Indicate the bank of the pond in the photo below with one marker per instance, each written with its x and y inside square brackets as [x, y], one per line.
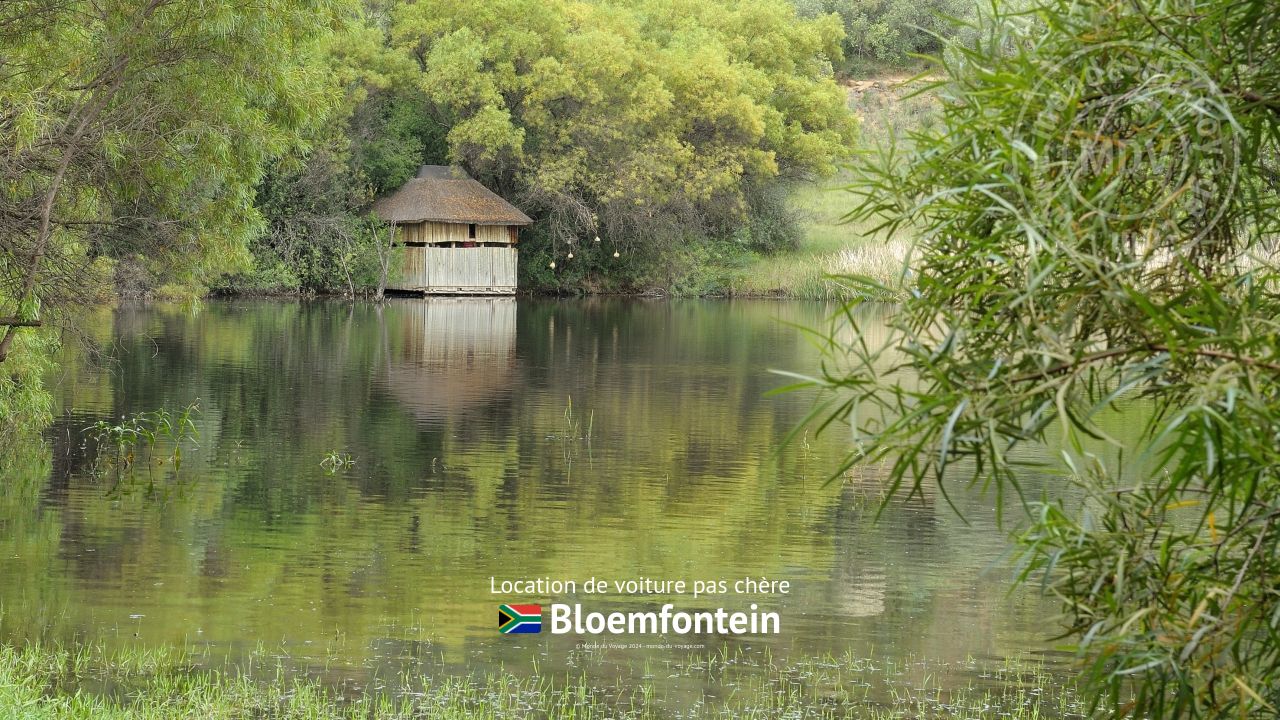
[89, 683]
[828, 248]
[823, 247]
[888, 109]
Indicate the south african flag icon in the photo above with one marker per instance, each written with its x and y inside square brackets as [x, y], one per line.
[519, 619]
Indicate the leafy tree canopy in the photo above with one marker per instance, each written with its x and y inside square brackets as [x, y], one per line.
[890, 31]
[137, 131]
[641, 120]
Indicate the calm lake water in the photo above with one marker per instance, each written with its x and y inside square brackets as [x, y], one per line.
[613, 439]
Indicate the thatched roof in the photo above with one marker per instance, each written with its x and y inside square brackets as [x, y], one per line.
[445, 194]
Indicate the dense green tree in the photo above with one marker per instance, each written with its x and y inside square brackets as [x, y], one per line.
[646, 123]
[318, 235]
[136, 132]
[1097, 217]
[890, 31]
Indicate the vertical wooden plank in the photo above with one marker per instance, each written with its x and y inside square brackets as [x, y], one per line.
[467, 270]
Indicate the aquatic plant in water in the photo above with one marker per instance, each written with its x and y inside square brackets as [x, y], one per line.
[153, 439]
[334, 461]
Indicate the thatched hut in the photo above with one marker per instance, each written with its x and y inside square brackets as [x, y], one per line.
[458, 237]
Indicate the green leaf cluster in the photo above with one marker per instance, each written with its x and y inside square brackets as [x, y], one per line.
[890, 31]
[1097, 217]
[133, 136]
[646, 123]
[165, 114]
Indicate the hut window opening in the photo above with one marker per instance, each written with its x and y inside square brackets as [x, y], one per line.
[471, 231]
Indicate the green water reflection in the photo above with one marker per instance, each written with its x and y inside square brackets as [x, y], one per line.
[563, 439]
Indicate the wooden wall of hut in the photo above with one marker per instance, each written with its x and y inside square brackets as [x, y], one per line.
[436, 263]
[462, 271]
[433, 233]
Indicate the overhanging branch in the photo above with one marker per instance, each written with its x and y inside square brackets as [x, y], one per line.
[15, 322]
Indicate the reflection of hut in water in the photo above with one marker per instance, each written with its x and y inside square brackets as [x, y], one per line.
[457, 237]
[455, 354]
